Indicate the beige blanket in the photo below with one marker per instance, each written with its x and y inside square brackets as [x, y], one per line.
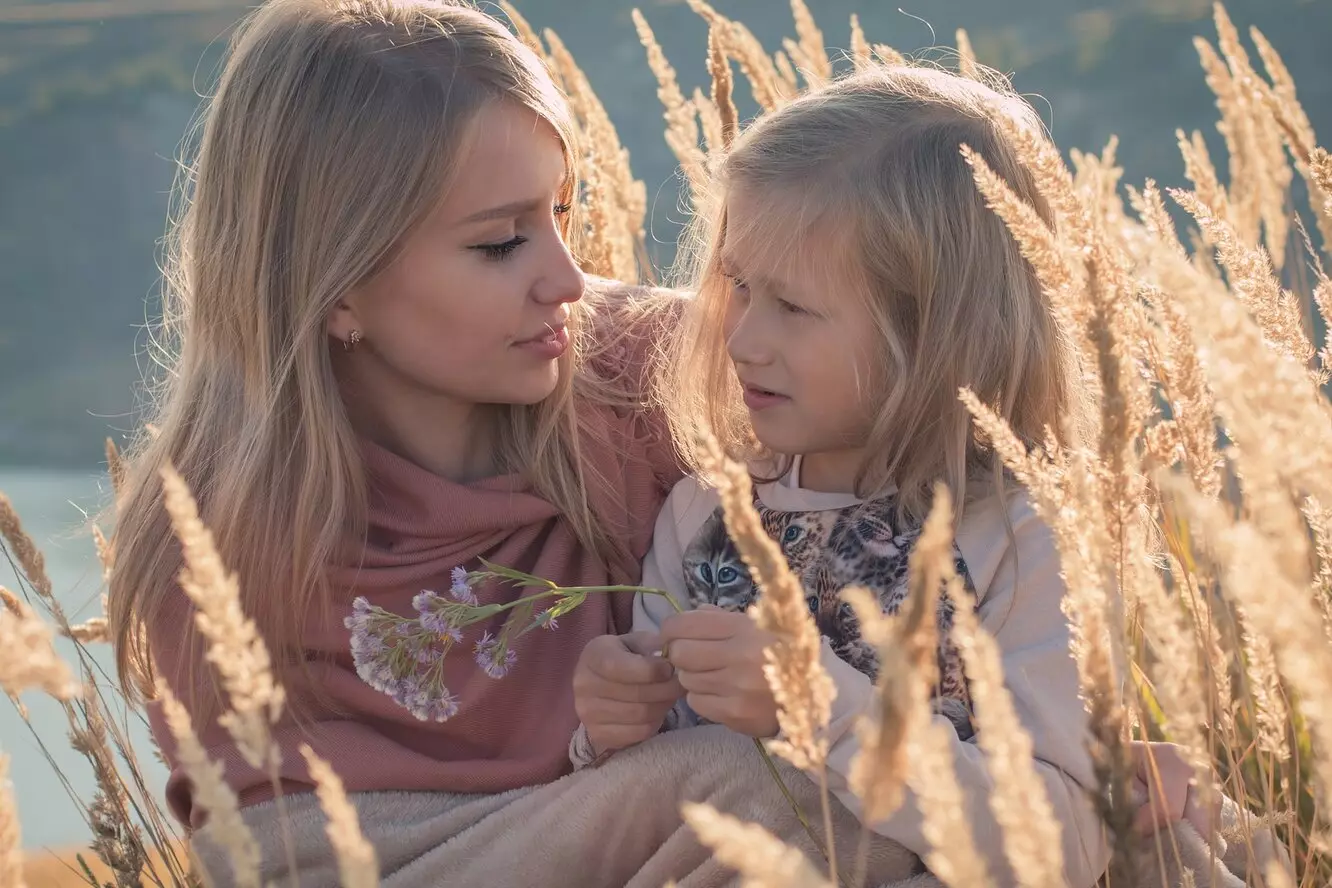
[619, 825]
[615, 825]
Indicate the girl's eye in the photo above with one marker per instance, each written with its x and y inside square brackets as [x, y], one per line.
[791, 307]
[738, 283]
[561, 208]
[500, 252]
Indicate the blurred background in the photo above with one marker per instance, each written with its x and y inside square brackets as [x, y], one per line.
[96, 96]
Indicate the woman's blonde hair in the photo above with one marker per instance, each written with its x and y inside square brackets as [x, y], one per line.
[334, 129]
[863, 181]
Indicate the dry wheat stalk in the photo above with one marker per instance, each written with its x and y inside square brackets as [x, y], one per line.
[710, 122]
[762, 860]
[723, 87]
[681, 127]
[952, 857]
[786, 71]
[1265, 689]
[802, 687]
[1018, 798]
[1262, 169]
[235, 647]
[813, 51]
[908, 669]
[1253, 280]
[1177, 664]
[967, 65]
[11, 840]
[29, 557]
[115, 467]
[741, 45]
[888, 55]
[357, 863]
[1279, 610]
[861, 52]
[878, 772]
[1320, 522]
[615, 202]
[28, 658]
[117, 840]
[226, 827]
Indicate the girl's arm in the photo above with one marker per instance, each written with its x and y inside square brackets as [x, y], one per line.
[685, 509]
[1020, 607]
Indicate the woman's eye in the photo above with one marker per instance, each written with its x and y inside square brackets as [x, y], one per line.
[501, 251]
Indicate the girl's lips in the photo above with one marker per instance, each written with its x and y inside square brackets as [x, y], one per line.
[549, 345]
[761, 399]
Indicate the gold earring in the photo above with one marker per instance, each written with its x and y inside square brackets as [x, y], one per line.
[353, 338]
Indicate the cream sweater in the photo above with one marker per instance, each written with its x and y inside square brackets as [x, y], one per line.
[1019, 592]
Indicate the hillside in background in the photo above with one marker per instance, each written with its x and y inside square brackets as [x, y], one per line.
[96, 95]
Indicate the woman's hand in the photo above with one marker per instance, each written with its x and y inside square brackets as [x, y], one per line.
[622, 691]
[718, 658]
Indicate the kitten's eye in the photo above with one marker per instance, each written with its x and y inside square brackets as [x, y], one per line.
[704, 572]
[793, 533]
[813, 602]
[727, 575]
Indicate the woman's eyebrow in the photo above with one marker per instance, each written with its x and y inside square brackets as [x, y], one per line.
[503, 211]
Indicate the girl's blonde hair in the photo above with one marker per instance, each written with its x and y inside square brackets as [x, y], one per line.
[334, 129]
[863, 181]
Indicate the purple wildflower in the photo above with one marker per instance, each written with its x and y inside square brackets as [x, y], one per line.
[432, 619]
[461, 590]
[546, 619]
[494, 656]
[441, 708]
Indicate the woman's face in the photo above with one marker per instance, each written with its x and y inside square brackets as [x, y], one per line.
[474, 309]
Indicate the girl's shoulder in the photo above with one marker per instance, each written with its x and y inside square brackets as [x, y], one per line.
[1006, 543]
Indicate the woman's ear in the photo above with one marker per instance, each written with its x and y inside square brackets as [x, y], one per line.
[343, 320]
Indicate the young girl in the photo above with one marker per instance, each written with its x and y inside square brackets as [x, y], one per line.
[853, 281]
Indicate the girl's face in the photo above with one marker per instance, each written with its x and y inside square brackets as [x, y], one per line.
[474, 308]
[803, 348]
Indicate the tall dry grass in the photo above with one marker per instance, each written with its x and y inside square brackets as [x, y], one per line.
[1194, 531]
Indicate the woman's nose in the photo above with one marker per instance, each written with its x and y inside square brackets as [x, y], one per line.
[563, 280]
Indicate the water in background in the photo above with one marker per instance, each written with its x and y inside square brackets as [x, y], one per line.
[53, 505]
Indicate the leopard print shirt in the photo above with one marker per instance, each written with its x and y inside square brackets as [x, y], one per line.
[829, 550]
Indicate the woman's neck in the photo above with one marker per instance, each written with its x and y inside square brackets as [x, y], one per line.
[449, 438]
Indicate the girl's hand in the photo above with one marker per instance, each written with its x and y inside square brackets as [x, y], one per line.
[1164, 792]
[622, 690]
[718, 657]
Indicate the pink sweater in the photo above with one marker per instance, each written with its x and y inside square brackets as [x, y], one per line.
[507, 733]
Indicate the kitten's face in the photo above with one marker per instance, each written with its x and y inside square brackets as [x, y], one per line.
[714, 572]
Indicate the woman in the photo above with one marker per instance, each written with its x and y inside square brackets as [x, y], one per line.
[386, 364]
